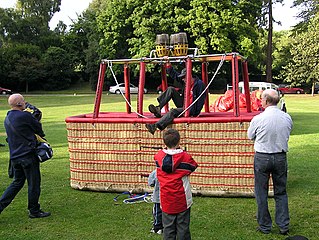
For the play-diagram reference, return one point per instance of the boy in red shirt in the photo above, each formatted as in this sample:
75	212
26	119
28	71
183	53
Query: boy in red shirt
173	169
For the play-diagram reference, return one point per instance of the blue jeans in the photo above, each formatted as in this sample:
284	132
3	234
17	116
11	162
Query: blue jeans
27	168
276	166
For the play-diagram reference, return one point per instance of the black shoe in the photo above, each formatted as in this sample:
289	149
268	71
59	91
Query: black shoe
284	232
150	127
155	110
39	214
258	229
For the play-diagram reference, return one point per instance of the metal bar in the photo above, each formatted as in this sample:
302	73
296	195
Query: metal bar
141	85
127	87
197	58
246	86
188	86
235	85
99	90
205	80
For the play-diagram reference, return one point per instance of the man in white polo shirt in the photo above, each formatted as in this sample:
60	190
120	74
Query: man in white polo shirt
270	131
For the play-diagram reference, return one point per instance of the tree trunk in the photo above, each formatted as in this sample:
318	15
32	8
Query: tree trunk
269	45
26	87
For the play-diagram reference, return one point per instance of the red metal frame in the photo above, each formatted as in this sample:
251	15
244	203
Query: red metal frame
246	85
127	87
233	57
188	86
235	80
99	90
141	88
205	81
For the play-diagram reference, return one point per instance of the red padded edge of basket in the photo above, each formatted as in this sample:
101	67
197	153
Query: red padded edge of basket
121	117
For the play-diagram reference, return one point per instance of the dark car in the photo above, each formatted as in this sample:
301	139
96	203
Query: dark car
288	89
316	90
5	91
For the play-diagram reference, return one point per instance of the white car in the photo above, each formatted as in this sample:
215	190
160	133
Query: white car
121	87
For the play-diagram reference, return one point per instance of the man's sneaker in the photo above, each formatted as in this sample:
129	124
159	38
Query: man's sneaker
160	231
284	231
39	214
151	128
258	229
155	110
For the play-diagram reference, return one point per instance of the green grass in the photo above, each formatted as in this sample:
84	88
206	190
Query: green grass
94	215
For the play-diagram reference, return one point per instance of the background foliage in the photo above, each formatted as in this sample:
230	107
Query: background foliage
127	29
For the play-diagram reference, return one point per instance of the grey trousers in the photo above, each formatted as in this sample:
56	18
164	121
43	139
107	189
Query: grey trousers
176	226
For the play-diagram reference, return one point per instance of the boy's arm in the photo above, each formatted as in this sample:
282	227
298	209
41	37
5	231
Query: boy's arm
188	164
152	179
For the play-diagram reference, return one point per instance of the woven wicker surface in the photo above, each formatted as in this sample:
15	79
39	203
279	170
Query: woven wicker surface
119	156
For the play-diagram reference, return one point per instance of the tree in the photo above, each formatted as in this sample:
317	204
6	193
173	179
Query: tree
269	19
130	27
304	64
14	56
57	64
308	9
29	23
281	52
42	11
28	72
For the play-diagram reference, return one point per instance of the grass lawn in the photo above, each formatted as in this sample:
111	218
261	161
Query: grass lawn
94	215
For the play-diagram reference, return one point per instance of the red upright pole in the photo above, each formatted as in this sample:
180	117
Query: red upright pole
246	86
127	87
188	86
141	88
99	90
205	80
235	84
164	83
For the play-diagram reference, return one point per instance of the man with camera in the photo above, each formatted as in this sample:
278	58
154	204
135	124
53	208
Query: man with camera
21	128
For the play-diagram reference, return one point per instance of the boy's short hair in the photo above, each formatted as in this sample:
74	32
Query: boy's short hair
171	138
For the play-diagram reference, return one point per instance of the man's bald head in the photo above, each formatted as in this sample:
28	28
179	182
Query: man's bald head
271	97
16	101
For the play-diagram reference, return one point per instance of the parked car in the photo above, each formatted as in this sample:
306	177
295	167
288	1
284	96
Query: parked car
121	87
287	89
5	91
316	90
160	89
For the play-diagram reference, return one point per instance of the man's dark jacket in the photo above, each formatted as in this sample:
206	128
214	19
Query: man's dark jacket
22	141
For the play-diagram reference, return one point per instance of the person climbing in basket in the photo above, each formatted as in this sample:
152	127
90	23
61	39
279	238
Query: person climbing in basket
197	88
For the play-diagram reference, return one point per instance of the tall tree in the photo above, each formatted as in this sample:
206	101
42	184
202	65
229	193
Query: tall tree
41	10
308	9
130	26
269	59
304	65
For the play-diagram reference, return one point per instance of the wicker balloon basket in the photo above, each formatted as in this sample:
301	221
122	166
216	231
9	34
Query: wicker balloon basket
117	157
